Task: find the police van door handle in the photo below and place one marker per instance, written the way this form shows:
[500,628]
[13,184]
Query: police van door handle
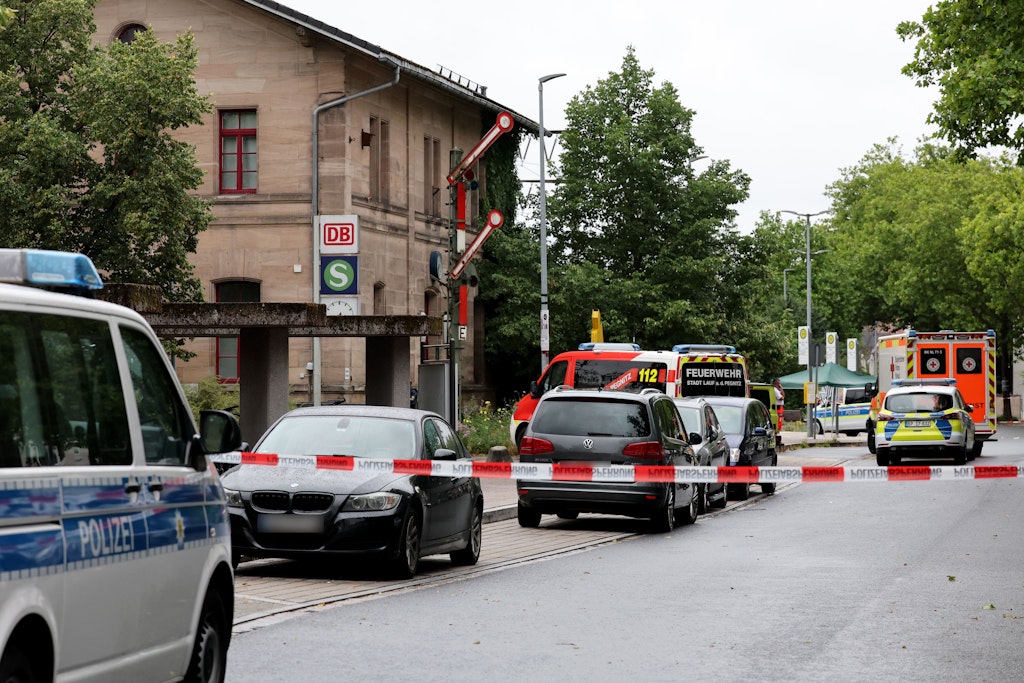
[133,487]
[155,488]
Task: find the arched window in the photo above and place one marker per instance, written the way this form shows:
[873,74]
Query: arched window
[130,32]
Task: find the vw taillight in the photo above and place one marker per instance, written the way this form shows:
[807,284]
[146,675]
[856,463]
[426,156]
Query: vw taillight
[533,446]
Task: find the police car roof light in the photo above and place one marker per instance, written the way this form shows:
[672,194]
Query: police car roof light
[608,346]
[48,268]
[707,348]
[938,381]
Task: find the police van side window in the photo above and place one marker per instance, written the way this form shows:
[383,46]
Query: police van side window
[60,394]
[165,426]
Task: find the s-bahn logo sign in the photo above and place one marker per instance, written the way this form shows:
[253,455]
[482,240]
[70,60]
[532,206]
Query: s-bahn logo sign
[339,274]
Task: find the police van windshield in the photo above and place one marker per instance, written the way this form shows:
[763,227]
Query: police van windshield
[620,375]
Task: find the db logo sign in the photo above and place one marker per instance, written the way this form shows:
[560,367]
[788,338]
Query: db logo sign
[339,234]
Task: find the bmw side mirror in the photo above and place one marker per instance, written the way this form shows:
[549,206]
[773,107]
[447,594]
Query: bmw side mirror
[445,454]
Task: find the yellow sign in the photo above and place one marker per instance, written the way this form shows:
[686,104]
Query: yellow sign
[596,329]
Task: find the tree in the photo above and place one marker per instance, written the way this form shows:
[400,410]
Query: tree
[87,160]
[974,52]
[636,231]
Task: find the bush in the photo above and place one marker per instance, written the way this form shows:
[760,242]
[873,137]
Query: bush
[483,427]
[210,394]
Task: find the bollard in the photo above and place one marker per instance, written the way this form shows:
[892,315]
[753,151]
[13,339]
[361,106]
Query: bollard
[498,454]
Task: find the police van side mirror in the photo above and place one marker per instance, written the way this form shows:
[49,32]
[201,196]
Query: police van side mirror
[219,431]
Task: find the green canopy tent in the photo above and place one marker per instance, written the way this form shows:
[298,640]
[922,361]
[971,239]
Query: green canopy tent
[829,375]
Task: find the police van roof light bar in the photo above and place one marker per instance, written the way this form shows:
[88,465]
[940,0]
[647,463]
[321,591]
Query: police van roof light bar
[608,346]
[49,269]
[706,348]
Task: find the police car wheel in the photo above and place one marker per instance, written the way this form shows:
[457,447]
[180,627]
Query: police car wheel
[816,429]
[871,439]
[960,456]
[15,667]
[882,459]
[209,653]
[408,560]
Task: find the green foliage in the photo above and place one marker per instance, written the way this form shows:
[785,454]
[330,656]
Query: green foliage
[209,394]
[87,158]
[974,52]
[484,426]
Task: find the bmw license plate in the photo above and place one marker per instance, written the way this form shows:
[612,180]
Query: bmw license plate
[918,424]
[290,524]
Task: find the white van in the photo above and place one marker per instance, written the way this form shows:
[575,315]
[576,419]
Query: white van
[852,404]
[115,554]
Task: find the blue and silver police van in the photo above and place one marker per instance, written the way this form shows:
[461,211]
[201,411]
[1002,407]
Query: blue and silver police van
[115,554]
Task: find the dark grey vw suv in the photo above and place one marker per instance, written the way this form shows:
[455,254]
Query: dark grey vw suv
[597,427]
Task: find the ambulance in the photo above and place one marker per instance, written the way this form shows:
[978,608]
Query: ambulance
[967,357]
[115,547]
[686,370]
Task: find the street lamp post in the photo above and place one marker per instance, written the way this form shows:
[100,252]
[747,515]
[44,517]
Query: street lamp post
[785,294]
[545,338]
[810,337]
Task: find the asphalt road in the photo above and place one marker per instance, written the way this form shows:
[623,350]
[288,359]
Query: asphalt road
[893,581]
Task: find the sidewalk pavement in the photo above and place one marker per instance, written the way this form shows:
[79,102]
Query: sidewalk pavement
[500,494]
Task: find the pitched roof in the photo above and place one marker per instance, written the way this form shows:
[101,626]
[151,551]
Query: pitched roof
[476,95]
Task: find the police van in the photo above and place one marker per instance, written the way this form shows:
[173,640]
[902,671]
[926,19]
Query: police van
[115,554]
[686,370]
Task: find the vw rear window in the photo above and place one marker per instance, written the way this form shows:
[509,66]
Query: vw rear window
[592,418]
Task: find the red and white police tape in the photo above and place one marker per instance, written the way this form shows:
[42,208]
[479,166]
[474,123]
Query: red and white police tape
[622,473]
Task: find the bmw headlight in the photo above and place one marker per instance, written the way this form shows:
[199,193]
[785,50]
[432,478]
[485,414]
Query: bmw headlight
[234,498]
[372,502]
[734,456]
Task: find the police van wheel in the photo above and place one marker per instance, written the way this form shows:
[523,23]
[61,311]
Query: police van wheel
[210,651]
[871,439]
[15,667]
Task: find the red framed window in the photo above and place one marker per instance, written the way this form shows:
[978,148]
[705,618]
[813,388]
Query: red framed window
[228,348]
[239,161]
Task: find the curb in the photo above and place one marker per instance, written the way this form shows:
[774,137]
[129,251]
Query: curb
[500,514]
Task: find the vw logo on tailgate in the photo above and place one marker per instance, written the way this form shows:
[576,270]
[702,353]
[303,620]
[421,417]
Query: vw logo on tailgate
[588,443]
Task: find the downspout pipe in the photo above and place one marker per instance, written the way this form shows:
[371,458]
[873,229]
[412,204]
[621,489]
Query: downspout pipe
[315,208]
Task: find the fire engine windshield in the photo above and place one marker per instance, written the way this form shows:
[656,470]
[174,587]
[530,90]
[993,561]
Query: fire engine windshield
[620,375]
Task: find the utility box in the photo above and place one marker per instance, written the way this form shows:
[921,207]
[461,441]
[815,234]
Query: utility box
[434,392]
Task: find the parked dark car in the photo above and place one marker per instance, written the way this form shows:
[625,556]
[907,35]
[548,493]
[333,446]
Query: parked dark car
[297,512]
[710,445]
[597,427]
[750,431]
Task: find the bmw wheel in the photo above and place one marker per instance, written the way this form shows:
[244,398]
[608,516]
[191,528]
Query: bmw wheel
[723,499]
[408,560]
[471,553]
[702,499]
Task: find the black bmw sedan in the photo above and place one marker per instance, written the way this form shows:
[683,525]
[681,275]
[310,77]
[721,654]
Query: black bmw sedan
[303,512]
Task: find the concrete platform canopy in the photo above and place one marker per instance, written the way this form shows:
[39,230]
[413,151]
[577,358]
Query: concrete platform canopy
[264,329]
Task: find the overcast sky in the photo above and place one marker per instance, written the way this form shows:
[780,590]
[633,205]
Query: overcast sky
[789,91]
